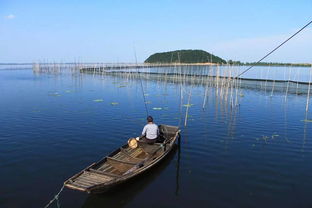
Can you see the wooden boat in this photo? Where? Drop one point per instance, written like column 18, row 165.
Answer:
column 124, row 163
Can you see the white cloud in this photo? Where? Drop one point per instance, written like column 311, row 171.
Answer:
column 10, row 16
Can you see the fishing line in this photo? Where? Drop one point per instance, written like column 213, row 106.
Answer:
column 142, row 89
column 274, row 49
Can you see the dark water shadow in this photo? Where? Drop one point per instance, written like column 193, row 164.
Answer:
column 121, row 195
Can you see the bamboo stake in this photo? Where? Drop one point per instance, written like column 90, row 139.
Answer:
column 266, row 79
column 273, row 84
column 289, row 72
column 308, row 96
column 187, row 108
column 205, row 95
column 297, row 82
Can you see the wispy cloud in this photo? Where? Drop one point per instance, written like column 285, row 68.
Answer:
column 10, row 16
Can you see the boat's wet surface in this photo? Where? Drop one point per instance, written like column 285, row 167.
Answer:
column 52, row 126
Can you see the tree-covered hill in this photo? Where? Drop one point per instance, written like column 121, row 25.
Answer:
column 184, row 56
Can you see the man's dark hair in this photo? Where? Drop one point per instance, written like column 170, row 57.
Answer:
column 149, row 118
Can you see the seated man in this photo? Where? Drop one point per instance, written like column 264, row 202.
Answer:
column 150, row 131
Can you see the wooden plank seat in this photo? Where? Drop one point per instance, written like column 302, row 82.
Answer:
column 120, row 165
column 104, row 173
column 128, row 155
column 110, row 159
column 125, row 156
column 136, row 153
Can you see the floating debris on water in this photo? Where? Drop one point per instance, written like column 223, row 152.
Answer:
column 146, row 94
column 148, row 102
column 241, row 95
column 120, row 86
column 56, row 94
column 307, row 120
column 157, row 108
column 114, row 103
column 188, row 105
column 265, row 138
column 274, row 135
column 68, row 91
column 98, row 100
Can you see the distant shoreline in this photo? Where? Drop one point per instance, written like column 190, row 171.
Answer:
column 183, row 64
column 15, row 63
column 238, row 63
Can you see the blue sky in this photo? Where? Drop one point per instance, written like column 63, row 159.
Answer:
column 110, row 30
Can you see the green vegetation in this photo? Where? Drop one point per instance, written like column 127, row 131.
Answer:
column 278, row 64
column 184, row 56
column 267, row 64
column 201, row 56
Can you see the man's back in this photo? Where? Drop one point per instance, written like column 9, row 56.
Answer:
column 150, row 131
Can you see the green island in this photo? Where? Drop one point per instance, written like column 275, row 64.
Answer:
column 184, row 56
column 204, row 57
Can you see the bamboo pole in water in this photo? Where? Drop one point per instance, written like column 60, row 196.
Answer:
column 207, row 84
column 238, row 85
column 261, row 79
column 217, row 81
column 205, row 96
column 266, row 78
column 187, row 108
column 289, row 72
column 231, row 82
column 308, row 96
column 273, row 83
column 297, row 82
column 181, row 103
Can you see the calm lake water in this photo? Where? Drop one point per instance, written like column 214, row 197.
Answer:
column 256, row 154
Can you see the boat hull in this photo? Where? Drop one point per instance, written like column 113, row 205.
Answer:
column 108, row 188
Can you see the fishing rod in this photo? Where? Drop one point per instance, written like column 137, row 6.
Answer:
column 142, row 89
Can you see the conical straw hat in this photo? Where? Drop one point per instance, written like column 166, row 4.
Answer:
column 133, row 143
